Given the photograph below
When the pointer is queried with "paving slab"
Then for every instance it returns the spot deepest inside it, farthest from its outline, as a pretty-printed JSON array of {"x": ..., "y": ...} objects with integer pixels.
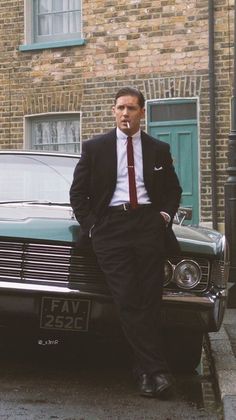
[{"x": 229, "y": 404}]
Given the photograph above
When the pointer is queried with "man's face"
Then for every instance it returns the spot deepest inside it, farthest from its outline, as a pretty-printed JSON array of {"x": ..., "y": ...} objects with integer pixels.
[{"x": 127, "y": 110}]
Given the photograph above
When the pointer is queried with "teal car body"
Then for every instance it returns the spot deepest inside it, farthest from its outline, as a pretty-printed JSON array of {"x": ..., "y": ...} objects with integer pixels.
[
  {"x": 58, "y": 225},
  {"x": 49, "y": 288}
]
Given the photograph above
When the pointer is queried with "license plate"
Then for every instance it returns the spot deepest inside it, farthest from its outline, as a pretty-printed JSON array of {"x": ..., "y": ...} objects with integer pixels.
[{"x": 64, "y": 314}]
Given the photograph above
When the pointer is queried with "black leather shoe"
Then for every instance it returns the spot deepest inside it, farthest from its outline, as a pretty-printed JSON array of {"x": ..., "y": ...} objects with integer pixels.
[
  {"x": 163, "y": 384},
  {"x": 146, "y": 387}
]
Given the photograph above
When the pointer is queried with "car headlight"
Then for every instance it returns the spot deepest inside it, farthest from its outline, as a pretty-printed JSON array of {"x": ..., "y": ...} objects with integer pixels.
[
  {"x": 187, "y": 274},
  {"x": 168, "y": 272}
]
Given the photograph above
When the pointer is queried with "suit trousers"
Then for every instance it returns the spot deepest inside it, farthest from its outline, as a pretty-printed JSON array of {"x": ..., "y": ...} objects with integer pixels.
[{"x": 129, "y": 246}]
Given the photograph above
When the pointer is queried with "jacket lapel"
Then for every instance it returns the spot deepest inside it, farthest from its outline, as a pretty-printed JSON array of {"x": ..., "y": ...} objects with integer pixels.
[{"x": 110, "y": 159}]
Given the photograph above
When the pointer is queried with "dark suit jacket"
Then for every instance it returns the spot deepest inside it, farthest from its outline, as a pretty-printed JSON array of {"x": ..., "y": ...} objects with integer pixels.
[{"x": 95, "y": 180}]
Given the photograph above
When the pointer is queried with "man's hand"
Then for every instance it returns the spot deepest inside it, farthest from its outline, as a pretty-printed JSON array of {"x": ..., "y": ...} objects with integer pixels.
[{"x": 166, "y": 217}]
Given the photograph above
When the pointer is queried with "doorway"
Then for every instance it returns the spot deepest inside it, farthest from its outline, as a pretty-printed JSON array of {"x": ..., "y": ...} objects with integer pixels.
[{"x": 175, "y": 122}]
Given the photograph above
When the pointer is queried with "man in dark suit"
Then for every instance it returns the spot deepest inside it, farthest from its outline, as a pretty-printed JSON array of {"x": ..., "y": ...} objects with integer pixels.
[{"x": 125, "y": 194}]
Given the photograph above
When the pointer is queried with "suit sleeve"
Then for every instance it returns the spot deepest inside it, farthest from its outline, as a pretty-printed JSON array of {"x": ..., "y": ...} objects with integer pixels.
[
  {"x": 172, "y": 188},
  {"x": 80, "y": 191}
]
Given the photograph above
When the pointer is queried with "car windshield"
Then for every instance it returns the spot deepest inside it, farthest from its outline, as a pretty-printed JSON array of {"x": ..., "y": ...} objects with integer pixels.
[{"x": 42, "y": 178}]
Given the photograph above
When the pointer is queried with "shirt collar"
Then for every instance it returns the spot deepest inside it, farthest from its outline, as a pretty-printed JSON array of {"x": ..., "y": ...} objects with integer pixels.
[{"x": 123, "y": 137}]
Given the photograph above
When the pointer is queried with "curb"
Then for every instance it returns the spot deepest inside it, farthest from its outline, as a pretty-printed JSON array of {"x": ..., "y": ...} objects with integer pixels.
[{"x": 225, "y": 365}]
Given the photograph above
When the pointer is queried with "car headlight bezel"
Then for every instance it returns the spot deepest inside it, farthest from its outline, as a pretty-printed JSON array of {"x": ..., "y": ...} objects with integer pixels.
[
  {"x": 168, "y": 273},
  {"x": 184, "y": 269}
]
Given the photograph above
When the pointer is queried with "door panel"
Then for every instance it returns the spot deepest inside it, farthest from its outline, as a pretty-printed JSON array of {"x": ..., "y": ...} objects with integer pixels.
[{"x": 182, "y": 138}]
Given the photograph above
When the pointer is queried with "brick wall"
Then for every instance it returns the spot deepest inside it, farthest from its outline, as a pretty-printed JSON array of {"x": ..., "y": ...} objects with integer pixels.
[
  {"x": 160, "y": 46},
  {"x": 224, "y": 37}
]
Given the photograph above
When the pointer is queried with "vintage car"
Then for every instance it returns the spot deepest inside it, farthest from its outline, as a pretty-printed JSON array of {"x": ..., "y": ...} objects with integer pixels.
[{"x": 50, "y": 290}]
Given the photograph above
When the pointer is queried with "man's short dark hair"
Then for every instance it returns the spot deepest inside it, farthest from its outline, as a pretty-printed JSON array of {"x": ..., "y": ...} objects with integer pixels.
[{"x": 131, "y": 91}]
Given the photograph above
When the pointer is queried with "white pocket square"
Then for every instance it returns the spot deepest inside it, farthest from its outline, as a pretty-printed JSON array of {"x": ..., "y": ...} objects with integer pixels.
[{"x": 158, "y": 169}]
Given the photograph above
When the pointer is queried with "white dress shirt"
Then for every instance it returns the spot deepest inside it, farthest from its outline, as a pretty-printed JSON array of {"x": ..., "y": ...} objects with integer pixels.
[{"x": 121, "y": 193}]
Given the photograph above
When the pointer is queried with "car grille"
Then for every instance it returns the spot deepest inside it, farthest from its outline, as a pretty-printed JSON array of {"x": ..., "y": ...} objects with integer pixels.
[
  {"x": 60, "y": 265},
  {"x": 49, "y": 264}
]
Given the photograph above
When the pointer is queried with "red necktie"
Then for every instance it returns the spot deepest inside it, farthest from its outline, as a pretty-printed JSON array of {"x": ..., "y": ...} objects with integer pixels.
[{"x": 131, "y": 174}]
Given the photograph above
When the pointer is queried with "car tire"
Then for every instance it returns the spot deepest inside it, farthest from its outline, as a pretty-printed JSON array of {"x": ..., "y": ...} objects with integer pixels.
[{"x": 183, "y": 349}]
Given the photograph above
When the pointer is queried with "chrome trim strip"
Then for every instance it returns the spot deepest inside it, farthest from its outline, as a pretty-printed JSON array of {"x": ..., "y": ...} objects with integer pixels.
[
  {"x": 23, "y": 287},
  {"x": 35, "y": 287},
  {"x": 201, "y": 300},
  {"x": 206, "y": 300}
]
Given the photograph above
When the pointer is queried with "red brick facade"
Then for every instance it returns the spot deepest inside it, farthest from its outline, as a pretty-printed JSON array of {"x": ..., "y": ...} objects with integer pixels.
[{"x": 159, "y": 46}]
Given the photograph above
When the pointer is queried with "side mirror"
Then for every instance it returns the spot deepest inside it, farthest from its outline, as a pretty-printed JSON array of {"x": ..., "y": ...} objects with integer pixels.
[{"x": 184, "y": 213}]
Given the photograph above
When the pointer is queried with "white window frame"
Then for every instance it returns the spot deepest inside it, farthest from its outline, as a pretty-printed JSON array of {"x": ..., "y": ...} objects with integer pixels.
[
  {"x": 54, "y": 41},
  {"x": 28, "y": 119}
]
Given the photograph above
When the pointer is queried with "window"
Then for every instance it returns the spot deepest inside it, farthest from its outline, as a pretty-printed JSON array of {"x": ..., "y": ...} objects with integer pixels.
[
  {"x": 57, "y": 19},
  {"x": 173, "y": 111},
  {"x": 52, "y": 23},
  {"x": 58, "y": 133}
]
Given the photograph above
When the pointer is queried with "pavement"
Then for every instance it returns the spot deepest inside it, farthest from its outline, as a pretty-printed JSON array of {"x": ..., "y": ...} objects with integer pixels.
[{"x": 223, "y": 351}]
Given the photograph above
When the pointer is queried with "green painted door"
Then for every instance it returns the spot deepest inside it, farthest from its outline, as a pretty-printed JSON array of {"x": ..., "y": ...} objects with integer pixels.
[{"x": 183, "y": 139}]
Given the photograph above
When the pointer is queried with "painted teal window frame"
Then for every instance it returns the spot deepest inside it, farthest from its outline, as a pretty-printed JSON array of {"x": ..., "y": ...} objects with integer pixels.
[
  {"x": 172, "y": 101},
  {"x": 58, "y": 42},
  {"x": 52, "y": 44}
]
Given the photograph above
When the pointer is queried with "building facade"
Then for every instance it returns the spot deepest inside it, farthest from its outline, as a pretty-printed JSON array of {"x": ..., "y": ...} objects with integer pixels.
[{"x": 61, "y": 63}]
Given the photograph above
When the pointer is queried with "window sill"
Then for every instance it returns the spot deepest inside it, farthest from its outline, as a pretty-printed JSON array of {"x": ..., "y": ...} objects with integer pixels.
[{"x": 52, "y": 44}]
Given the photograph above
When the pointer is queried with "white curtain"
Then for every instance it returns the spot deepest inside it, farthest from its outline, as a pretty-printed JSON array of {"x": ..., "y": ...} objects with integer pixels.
[
  {"x": 59, "y": 16},
  {"x": 56, "y": 135}
]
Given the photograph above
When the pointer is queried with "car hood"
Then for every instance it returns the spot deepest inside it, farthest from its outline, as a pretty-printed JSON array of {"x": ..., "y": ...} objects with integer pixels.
[
  {"x": 56, "y": 223},
  {"x": 38, "y": 222},
  {"x": 199, "y": 240}
]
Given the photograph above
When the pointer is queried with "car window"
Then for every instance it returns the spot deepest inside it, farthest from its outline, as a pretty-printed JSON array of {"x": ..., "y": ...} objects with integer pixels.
[{"x": 36, "y": 177}]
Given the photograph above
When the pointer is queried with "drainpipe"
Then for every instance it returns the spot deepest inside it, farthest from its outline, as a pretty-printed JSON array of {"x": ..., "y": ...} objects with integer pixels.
[
  {"x": 211, "y": 73},
  {"x": 230, "y": 185}
]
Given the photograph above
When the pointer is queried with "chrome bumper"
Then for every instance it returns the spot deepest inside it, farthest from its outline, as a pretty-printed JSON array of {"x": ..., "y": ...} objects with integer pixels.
[
  {"x": 203, "y": 311},
  {"x": 208, "y": 299}
]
